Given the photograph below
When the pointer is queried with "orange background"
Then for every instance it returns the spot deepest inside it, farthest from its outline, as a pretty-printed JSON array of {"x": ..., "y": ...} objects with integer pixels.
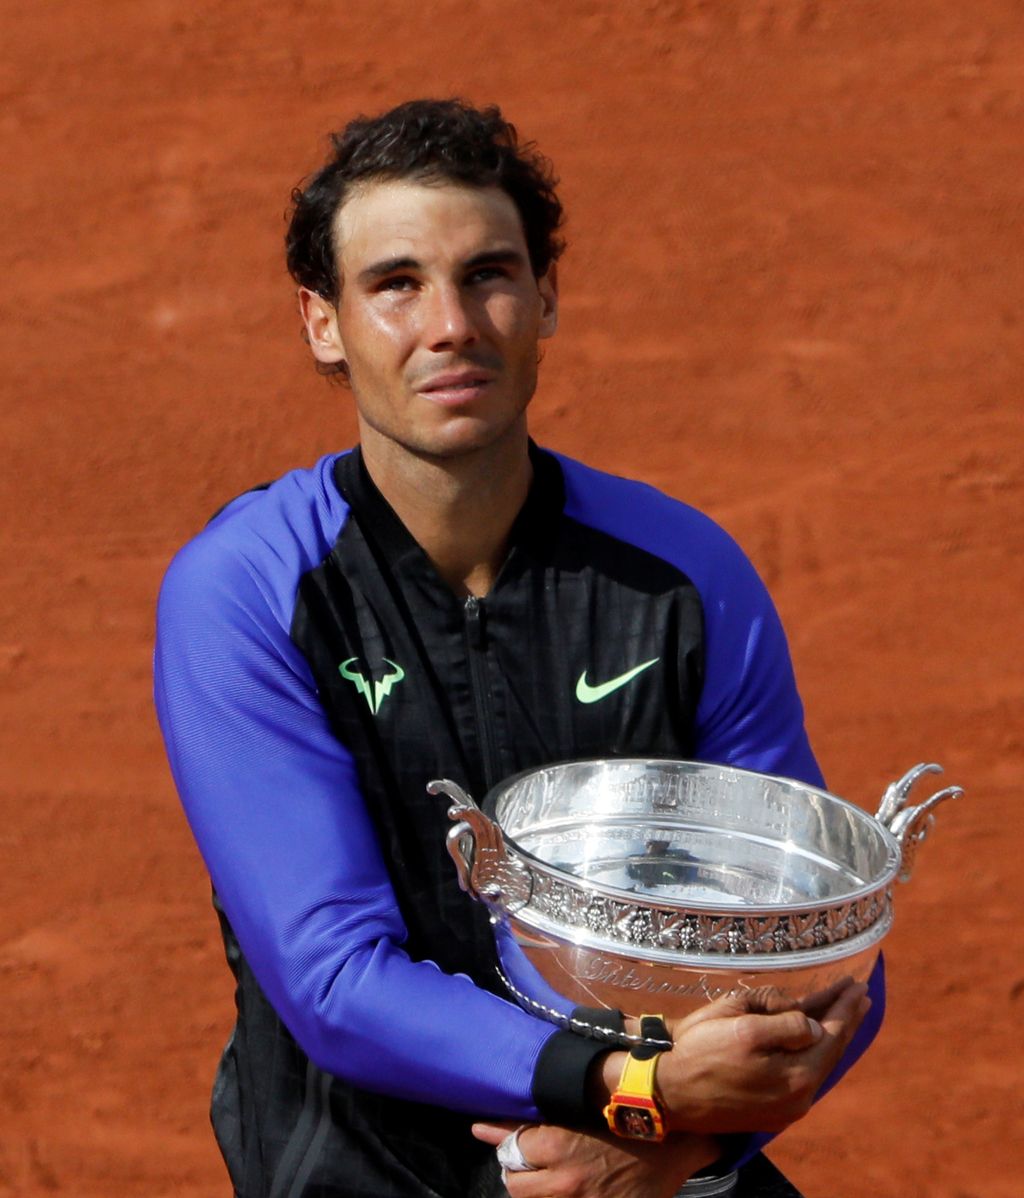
[{"x": 792, "y": 297}]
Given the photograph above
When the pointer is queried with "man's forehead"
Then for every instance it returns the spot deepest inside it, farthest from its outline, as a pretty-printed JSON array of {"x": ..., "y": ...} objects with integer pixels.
[{"x": 404, "y": 217}]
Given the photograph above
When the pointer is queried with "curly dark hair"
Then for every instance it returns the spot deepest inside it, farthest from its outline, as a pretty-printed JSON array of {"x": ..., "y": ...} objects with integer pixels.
[{"x": 431, "y": 140}]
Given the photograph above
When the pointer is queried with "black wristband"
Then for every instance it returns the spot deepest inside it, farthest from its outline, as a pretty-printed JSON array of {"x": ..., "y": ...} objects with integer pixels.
[{"x": 560, "y": 1080}]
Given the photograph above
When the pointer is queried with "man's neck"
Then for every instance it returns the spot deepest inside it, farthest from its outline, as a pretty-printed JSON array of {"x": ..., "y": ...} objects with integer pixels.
[{"x": 459, "y": 509}]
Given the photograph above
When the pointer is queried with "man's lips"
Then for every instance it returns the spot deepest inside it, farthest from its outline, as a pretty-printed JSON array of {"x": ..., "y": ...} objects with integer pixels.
[{"x": 455, "y": 385}]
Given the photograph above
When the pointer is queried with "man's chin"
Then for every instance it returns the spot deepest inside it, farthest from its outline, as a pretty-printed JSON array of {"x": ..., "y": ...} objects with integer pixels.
[{"x": 465, "y": 437}]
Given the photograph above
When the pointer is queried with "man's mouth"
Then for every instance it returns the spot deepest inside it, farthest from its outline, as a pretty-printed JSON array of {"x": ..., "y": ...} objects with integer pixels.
[{"x": 456, "y": 386}]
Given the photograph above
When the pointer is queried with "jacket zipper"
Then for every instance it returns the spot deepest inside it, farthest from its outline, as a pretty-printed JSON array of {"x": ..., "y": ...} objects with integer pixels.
[{"x": 476, "y": 641}]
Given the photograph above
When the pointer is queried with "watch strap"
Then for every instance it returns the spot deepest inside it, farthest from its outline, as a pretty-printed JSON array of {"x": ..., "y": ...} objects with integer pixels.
[{"x": 634, "y": 1109}]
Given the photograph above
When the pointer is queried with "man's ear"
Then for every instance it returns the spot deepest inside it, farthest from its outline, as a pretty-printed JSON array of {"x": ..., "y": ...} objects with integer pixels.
[
  {"x": 321, "y": 320},
  {"x": 547, "y": 285}
]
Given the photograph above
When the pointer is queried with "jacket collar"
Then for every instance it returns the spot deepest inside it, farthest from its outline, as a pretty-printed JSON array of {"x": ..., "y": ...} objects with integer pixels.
[{"x": 533, "y": 529}]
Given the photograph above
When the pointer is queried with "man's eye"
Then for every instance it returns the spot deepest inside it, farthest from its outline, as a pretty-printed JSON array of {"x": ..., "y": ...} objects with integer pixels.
[
  {"x": 484, "y": 274},
  {"x": 396, "y": 283}
]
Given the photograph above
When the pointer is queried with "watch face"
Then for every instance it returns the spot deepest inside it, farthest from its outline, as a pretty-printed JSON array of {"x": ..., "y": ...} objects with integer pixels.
[{"x": 636, "y": 1123}]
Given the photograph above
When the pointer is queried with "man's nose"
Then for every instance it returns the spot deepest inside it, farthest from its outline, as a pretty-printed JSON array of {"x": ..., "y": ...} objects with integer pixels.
[{"x": 450, "y": 323}]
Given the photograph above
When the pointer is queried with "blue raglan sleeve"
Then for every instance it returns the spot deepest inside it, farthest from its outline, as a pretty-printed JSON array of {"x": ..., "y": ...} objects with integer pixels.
[
  {"x": 750, "y": 714},
  {"x": 274, "y": 803}
]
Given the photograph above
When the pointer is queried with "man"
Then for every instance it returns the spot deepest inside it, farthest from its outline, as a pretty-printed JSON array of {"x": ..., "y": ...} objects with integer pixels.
[{"x": 449, "y": 600}]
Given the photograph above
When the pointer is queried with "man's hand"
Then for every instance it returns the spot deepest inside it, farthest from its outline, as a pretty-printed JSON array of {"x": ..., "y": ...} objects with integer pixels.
[
  {"x": 751, "y": 1062},
  {"x": 574, "y": 1164}
]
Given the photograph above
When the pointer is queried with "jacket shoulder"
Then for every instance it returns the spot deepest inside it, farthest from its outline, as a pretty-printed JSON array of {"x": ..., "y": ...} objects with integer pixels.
[
  {"x": 260, "y": 544},
  {"x": 641, "y": 515}
]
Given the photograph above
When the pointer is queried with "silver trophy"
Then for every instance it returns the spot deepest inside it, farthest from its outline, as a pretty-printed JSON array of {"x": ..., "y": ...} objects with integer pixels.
[{"x": 653, "y": 885}]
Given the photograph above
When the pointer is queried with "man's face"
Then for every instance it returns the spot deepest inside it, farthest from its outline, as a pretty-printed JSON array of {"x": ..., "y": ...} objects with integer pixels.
[{"x": 439, "y": 316}]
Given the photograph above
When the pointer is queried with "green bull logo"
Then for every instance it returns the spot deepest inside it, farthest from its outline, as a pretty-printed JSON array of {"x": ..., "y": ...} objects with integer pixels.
[{"x": 374, "y": 691}]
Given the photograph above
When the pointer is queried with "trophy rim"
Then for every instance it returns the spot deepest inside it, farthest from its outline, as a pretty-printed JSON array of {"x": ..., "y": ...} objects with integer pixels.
[{"x": 745, "y": 910}]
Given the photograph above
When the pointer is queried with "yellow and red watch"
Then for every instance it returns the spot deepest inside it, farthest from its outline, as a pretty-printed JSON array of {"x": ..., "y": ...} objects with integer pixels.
[{"x": 634, "y": 1109}]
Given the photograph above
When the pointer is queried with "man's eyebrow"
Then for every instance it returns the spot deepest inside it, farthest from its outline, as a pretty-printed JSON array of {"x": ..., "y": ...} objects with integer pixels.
[
  {"x": 377, "y": 270},
  {"x": 508, "y": 256},
  {"x": 500, "y": 255}
]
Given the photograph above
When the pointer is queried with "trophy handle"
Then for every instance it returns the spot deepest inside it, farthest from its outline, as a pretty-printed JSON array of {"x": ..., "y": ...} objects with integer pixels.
[
  {"x": 910, "y": 825},
  {"x": 487, "y": 872}
]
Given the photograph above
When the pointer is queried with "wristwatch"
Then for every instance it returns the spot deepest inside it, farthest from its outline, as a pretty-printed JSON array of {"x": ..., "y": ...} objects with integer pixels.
[{"x": 634, "y": 1110}]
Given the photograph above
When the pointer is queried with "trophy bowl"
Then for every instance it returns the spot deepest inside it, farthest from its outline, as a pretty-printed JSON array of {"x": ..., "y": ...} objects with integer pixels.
[{"x": 656, "y": 885}]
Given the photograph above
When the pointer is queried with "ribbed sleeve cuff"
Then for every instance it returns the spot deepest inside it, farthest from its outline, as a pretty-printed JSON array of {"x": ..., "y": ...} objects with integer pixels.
[
  {"x": 560, "y": 1080},
  {"x": 560, "y": 1076}
]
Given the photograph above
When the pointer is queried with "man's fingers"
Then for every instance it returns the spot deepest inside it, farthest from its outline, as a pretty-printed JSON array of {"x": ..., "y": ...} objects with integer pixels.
[
  {"x": 818, "y": 1003},
  {"x": 493, "y": 1133},
  {"x": 535, "y": 1142},
  {"x": 788, "y": 1031},
  {"x": 839, "y": 1024},
  {"x": 765, "y": 1000},
  {"x": 845, "y": 1015},
  {"x": 769, "y": 1000},
  {"x": 727, "y": 1007}
]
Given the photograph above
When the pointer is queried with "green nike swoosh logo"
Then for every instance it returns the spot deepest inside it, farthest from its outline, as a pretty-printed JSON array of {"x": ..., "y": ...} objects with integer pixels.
[{"x": 591, "y": 694}]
